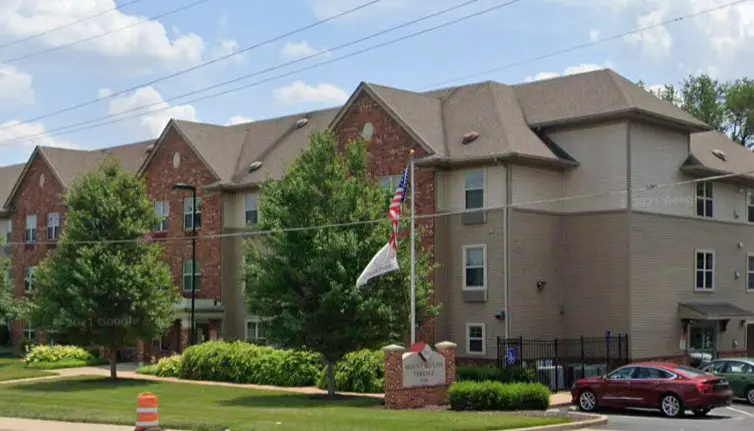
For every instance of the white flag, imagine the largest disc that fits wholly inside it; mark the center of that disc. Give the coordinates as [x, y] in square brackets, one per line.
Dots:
[383, 262]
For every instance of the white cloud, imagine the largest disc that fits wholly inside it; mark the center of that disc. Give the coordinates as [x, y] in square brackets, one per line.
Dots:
[294, 51]
[594, 35]
[15, 86]
[238, 119]
[146, 42]
[154, 121]
[299, 92]
[571, 70]
[29, 135]
[655, 41]
[228, 47]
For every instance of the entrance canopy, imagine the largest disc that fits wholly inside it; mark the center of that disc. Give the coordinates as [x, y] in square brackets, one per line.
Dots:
[712, 311]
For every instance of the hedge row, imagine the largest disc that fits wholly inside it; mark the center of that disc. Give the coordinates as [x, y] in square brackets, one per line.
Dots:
[491, 395]
[362, 371]
[240, 362]
[495, 374]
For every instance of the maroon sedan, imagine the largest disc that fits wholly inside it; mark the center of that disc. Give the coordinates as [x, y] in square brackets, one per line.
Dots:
[671, 388]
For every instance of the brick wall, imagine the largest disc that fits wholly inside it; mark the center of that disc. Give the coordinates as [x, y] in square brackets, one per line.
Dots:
[389, 151]
[398, 397]
[160, 176]
[31, 199]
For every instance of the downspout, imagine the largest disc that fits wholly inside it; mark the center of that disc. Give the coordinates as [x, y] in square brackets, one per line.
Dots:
[629, 233]
[507, 260]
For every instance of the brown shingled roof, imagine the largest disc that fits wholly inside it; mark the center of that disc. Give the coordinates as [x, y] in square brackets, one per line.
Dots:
[8, 177]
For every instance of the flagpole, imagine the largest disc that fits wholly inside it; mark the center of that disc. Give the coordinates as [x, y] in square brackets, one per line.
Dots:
[413, 255]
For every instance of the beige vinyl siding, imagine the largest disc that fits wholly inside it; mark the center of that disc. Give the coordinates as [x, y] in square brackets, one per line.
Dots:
[602, 154]
[233, 210]
[656, 156]
[457, 312]
[454, 186]
[662, 275]
[535, 185]
[537, 252]
[596, 274]
[730, 202]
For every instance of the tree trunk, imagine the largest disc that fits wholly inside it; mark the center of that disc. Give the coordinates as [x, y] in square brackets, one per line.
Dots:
[330, 378]
[113, 362]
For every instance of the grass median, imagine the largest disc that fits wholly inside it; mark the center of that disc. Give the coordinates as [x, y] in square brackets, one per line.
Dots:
[213, 408]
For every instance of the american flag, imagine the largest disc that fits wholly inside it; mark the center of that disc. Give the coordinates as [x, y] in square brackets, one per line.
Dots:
[394, 213]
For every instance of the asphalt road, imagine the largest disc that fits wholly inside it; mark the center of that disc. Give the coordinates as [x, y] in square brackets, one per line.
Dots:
[738, 417]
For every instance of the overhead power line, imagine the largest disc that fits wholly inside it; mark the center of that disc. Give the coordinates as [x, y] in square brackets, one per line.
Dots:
[97, 36]
[63, 130]
[385, 220]
[70, 24]
[198, 66]
[119, 116]
[583, 45]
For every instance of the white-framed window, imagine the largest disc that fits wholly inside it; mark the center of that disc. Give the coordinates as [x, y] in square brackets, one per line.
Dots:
[162, 211]
[705, 203]
[251, 208]
[188, 266]
[390, 182]
[30, 278]
[750, 272]
[475, 267]
[30, 234]
[188, 209]
[255, 332]
[53, 226]
[474, 189]
[30, 332]
[750, 205]
[475, 339]
[704, 270]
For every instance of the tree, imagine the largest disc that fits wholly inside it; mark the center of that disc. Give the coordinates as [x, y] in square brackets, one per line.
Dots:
[302, 282]
[726, 106]
[104, 285]
[11, 308]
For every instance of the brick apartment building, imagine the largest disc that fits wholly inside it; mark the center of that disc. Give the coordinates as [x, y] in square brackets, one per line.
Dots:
[561, 222]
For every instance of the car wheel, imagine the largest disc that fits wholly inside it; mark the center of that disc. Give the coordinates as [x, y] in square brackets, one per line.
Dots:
[588, 401]
[702, 412]
[750, 395]
[671, 406]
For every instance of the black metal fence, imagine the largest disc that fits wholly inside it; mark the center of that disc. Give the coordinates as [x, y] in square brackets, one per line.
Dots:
[558, 363]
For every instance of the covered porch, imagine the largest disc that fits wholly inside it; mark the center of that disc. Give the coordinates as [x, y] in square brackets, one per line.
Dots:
[704, 324]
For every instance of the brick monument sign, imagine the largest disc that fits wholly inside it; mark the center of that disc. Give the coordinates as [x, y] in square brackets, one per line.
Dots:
[420, 376]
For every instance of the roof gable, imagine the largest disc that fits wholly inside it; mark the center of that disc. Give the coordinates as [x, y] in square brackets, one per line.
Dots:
[37, 154]
[410, 106]
[9, 175]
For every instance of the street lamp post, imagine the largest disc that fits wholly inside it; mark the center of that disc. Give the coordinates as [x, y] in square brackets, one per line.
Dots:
[192, 189]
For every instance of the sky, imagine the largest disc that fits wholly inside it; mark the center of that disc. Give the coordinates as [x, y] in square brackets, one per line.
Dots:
[102, 70]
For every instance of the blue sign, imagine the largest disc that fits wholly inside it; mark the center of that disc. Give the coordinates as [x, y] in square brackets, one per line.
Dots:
[511, 359]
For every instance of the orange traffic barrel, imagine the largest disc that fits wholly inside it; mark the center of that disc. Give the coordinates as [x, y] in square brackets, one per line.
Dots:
[147, 414]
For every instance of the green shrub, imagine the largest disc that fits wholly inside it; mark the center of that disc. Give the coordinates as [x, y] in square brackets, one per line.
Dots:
[169, 366]
[66, 363]
[491, 395]
[362, 371]
[41, 353]
[505, 375]
[148, 370]
[240, 362]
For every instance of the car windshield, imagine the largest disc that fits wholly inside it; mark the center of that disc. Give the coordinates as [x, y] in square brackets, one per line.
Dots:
[691, 372]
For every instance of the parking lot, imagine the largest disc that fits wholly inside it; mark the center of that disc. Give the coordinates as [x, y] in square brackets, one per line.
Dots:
[738, 417]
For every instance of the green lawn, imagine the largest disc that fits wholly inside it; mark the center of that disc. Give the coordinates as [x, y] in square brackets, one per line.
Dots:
[13, 368]
[213, 408]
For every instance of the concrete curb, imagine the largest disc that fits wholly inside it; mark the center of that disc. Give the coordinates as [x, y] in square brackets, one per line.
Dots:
[596, 420]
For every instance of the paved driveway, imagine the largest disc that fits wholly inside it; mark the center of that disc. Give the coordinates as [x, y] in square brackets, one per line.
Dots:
[739, 417]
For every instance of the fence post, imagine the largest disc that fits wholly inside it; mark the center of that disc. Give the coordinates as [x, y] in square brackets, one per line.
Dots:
[556, 363]
[620, 350]
[499, 354]
[607, 351]
[583, 358]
